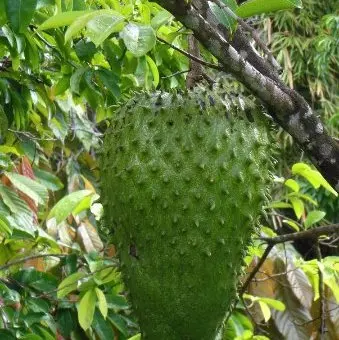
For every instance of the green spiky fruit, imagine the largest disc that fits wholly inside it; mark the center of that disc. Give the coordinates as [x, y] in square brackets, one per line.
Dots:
[183, 180]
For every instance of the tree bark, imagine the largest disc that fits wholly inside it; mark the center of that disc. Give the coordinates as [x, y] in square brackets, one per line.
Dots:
[289, 109]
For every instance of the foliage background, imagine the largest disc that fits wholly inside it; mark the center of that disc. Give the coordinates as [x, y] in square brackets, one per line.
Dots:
[64, 67]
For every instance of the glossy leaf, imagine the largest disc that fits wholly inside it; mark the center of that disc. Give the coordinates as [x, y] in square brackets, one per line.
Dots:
[160, 19]
[61, 19]
[222, 16]
[314, 217]
[20, 13]
[86, 309]
[139, 39]
[265, 310]
[102, 328]
[313, 176]
[256, 7]
[298, 206]
[49, 180]
[9, 149]
[68, 204]
[279, 205]
[102, 25]
[43, 282]
[5, 227]
[102, 303]
[107, 19]
[292, 224]
[29, 187]
[69, 284]
[292, 184]
[154, 69]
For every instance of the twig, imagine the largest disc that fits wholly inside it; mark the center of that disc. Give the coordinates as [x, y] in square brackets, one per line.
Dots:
[188, 55]
[28, 258]
[256, 268]
[175, 74]
[311, 233]
[322, 309]
[30, 135]
[328, 313]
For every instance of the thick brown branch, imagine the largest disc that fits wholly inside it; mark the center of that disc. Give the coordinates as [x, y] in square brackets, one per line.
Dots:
[287, 107]
[310, 233]
[195, 75]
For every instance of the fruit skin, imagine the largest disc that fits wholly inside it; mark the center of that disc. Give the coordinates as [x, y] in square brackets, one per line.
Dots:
[183, 178]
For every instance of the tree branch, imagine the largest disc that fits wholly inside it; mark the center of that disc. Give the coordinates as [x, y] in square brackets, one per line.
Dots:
[191, 56]
[253, 33]
[256, 269]
[28, 258]
[287, 107]
[195, 75]
[272, 241]
[310, 233]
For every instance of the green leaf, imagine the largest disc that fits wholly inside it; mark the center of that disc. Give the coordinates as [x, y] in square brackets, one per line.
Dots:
[85, 50]
[76, 79]
[15, 204]
[107, 275]
[102, 303]
[117, 302]
[276, 304]
[9, 149]
[40, 281]
[224, 18]
[3, 17]
[66, 321]
[28, 186]
[266, 312]
[61, 19]
[118, 322]
[292, 224]
[135, 337]
[154, 70]
[31, 337]
[279, 205]
[68, 204]
[5, 227]
[298, 206]
[86, 309]
[107, 19]
[257, 7]
[329, 277]
[110, 81]
[292, 184]
[103, 25]
[314, 217]
[161, 18]
[139, 39]
[313, 176]
[46, 178]
[69, 284]
[102, 328]
[20, 13]
[6, 334]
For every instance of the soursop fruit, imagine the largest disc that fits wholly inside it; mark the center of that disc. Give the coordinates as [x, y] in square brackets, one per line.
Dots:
[184, 176]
